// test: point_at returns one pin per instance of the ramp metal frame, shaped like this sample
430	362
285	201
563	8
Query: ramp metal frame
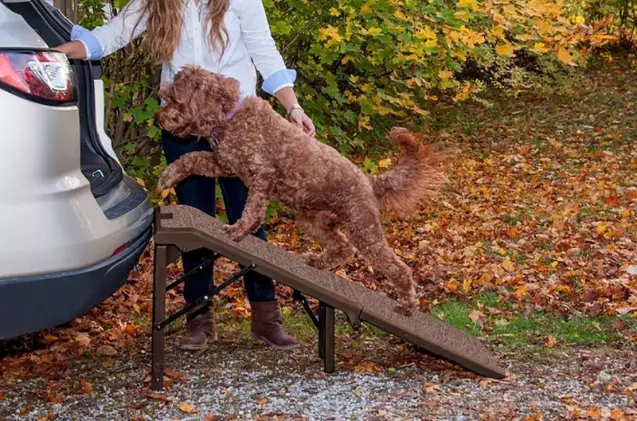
182	228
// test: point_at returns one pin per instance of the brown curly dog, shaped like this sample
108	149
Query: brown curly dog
277	161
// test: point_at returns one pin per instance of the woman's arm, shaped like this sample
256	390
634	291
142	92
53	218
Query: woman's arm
295	113
277	79
108	38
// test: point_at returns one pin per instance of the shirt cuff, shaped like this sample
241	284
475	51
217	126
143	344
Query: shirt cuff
92	46
277	80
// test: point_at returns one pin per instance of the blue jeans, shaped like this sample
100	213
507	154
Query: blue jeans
199	192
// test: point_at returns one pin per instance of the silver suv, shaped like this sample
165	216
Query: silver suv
72	223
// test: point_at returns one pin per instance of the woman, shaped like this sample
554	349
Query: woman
226	37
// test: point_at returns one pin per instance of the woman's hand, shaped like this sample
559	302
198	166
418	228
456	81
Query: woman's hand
298	117
73	50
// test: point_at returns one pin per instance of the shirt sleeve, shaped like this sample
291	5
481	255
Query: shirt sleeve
262	48
113	35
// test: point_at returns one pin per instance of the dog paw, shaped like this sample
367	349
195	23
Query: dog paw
166	181
234	232
406	307
311	259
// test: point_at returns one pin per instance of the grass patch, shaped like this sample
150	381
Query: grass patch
520	330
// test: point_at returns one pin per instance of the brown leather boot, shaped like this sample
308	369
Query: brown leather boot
267	326
199	331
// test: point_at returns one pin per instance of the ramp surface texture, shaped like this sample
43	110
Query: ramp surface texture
188	228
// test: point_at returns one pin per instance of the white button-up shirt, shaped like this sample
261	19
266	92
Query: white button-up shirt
249	44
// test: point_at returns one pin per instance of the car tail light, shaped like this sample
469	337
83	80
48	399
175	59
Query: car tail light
120	249
41	75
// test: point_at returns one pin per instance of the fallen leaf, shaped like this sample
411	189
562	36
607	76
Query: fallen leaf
211	417
24	411
49	339
262	401
86	387
550	342
366	367
617	414
107	350
83	339
476	316
187	408
158	397
55	397
508	265
2	396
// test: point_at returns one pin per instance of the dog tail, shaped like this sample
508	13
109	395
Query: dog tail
416	177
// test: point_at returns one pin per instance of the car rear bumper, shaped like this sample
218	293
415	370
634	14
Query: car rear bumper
30	304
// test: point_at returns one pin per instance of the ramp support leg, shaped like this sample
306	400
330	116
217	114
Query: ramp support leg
159	313
326	336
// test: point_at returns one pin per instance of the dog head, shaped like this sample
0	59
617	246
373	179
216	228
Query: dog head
196	102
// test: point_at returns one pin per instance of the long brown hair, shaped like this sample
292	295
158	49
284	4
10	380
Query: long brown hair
164	24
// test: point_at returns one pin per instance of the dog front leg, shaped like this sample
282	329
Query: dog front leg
193	163
253	215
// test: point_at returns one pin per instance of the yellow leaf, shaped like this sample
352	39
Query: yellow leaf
430	43
165	193
426	33
334	12
540	48
347	59
601	228
445	74
462	15
466	4
565	56
141	182
505	50
187	408
366	9
466	285
463	95
400	15
508	265
554	264
384	163
375	31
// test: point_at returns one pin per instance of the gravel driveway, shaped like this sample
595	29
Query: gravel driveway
235	379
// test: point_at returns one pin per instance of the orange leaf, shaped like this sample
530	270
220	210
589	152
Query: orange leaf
187	408
55	397
452	285
550	342
520	292
617	414
49	339
86	387
25	410
366	367
262	401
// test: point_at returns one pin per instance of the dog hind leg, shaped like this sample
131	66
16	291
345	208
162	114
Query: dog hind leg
322	226
368	237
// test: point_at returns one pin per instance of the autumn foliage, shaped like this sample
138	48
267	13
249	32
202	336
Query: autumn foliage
365	64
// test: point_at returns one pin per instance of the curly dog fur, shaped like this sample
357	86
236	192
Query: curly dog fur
335	202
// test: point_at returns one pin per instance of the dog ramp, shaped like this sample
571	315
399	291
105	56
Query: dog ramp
183	228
